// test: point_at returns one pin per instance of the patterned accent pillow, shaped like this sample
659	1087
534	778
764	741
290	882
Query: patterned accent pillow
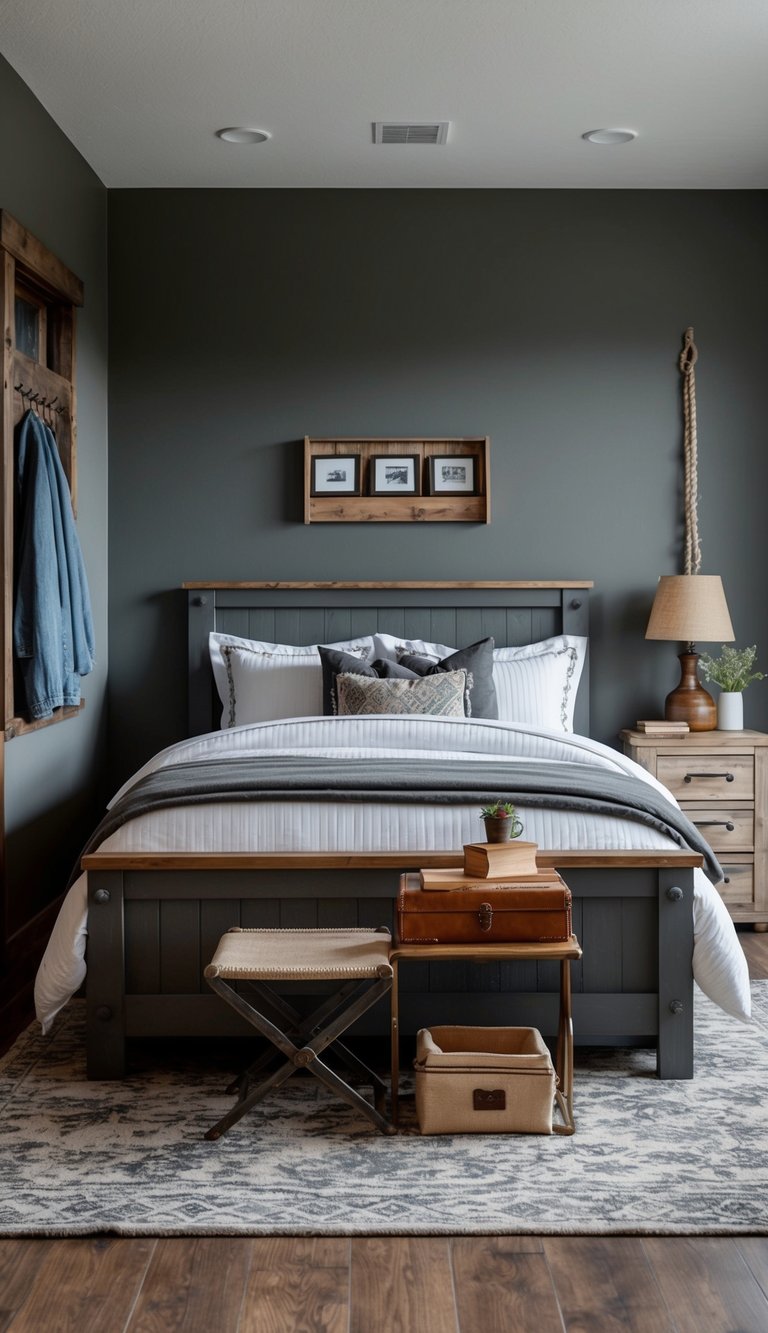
335	662
438	696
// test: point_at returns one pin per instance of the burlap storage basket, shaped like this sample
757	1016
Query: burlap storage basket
483	1081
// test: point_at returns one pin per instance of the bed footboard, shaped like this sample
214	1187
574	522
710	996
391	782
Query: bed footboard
154	921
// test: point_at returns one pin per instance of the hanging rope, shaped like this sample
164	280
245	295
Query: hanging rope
688	358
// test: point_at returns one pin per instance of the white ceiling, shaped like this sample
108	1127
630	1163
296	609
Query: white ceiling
140	86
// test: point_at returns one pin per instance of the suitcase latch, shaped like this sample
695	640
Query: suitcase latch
494	1099
485	916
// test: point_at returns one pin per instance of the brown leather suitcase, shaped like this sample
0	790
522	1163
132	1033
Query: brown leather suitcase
529	913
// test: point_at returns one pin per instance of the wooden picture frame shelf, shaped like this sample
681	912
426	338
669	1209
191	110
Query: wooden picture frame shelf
365	507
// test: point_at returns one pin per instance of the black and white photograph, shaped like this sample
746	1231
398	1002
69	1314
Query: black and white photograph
332	475
394	475
453	474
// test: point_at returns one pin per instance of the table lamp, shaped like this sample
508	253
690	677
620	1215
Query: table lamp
688	607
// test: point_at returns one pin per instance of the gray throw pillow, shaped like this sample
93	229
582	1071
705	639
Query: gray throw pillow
476	660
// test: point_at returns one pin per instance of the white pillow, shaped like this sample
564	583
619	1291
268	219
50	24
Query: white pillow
262	682
390	647
536	683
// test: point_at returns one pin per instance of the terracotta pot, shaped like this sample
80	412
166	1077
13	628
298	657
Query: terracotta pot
498	828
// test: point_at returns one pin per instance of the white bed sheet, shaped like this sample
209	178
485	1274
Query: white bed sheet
719	964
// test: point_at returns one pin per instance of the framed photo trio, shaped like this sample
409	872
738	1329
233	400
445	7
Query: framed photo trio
397	479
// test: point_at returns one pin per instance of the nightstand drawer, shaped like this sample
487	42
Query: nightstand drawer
725	830
707	777
738	893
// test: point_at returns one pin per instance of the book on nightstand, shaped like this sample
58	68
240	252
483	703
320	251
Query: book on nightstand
662	728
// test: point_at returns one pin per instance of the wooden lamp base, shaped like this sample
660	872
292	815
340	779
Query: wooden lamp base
689	701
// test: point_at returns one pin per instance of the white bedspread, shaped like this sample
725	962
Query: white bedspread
718	963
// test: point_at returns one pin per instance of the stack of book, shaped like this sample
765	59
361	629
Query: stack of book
663	728
499	864
457	879
494	860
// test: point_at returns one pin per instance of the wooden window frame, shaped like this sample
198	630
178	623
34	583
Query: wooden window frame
30	270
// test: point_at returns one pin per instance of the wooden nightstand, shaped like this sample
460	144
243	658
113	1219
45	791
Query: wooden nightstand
720	779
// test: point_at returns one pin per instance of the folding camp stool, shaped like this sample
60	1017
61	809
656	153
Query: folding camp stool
359	958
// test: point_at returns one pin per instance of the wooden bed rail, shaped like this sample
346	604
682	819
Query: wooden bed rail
373	860
155	917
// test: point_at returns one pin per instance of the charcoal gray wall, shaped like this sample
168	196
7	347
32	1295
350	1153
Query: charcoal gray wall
52	776
550	320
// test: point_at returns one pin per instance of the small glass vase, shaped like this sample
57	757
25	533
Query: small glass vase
730	711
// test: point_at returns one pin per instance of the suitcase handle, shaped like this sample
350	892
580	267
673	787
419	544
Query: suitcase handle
485	916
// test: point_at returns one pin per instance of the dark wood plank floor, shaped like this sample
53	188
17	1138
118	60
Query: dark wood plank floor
505	1284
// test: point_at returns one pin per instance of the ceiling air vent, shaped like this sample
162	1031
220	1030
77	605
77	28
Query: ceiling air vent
404	131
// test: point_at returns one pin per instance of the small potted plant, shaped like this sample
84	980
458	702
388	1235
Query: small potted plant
501	821
732	671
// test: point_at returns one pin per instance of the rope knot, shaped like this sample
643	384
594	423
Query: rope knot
690	353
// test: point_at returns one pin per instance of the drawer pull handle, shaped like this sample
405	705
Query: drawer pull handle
728	776
715	823
726	879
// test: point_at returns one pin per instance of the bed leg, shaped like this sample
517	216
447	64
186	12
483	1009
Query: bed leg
105	980
675	1041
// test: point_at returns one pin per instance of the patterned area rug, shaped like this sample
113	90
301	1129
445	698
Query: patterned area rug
129	1158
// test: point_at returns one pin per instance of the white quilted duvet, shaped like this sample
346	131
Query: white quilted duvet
718	962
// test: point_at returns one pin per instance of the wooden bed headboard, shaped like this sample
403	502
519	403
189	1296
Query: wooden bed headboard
455	613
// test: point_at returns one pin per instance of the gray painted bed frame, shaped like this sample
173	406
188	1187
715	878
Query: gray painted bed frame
154	919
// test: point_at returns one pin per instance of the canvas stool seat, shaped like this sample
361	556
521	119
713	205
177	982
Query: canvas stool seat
358	958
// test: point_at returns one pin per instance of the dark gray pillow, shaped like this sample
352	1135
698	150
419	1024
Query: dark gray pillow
477	660
393	670
334	661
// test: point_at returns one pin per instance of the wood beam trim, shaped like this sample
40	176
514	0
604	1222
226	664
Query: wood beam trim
447	584
37	260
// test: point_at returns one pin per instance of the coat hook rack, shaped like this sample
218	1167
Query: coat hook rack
37	400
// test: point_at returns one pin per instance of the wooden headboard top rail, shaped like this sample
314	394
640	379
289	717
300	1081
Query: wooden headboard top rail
419	583
513	612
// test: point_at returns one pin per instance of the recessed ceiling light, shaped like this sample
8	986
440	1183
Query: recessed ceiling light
610	136
239	134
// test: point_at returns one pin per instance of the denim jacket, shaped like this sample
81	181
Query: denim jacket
52	622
